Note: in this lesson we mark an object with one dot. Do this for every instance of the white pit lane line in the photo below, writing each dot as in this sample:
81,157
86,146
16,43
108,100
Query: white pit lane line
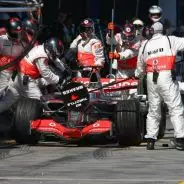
92,179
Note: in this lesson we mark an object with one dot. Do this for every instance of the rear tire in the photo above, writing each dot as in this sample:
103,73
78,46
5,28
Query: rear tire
128,123
142,86
27,109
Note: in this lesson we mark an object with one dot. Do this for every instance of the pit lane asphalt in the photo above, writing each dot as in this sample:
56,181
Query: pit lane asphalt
56,163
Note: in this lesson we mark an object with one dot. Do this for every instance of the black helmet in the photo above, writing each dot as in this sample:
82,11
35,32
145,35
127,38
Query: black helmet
14,28
54,48
30,26
148,32
86,28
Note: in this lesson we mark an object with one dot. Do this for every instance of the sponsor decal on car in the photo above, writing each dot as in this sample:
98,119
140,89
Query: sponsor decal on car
72,90
105,81
75,96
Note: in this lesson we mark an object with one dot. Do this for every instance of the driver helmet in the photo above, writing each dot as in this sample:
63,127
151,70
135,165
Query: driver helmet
54,48
155,13
87,28
14,28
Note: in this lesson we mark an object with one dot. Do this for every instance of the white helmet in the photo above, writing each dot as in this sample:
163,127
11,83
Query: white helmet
138,22
157,28
138,25
155,13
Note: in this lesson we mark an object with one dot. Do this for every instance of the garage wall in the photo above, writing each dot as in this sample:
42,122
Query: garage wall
76,7
98,9
169,10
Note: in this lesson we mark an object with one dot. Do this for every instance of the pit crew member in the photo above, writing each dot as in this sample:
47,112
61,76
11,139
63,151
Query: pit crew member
35,71
87,49
156,59
12,45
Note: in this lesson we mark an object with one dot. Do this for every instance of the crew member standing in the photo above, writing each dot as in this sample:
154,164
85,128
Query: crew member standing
156,58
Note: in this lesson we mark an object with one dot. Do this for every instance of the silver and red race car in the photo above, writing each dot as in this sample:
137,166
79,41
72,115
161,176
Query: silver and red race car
83,109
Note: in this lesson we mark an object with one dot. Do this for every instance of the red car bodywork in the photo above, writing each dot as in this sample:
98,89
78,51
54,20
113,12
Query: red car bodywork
51,126
98,127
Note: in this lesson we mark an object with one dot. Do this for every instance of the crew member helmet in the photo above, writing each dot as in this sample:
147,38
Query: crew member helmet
155,13
128,32
86,28
14,28
54,48
30,26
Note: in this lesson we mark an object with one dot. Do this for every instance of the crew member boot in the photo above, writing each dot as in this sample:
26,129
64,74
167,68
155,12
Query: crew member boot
150,144
179,143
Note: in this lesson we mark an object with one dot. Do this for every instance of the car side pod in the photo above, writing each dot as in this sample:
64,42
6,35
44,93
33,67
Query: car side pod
52,127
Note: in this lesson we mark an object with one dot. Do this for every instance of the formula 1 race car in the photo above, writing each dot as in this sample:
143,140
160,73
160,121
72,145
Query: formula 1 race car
83,108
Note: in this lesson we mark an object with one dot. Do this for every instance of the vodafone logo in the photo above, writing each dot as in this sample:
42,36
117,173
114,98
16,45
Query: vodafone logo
52,124
86,21
128,29
18,28
155,62
96,125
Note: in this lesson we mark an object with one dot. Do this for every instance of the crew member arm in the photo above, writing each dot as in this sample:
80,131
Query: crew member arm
73,48
115,41
177,43
59,64
45,72
127,54
98,52
140,69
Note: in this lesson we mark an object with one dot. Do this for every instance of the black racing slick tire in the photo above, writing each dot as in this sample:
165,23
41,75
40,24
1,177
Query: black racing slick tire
129,127
26,110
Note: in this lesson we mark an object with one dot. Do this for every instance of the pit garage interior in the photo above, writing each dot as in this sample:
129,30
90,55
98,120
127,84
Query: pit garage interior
100,9
68,164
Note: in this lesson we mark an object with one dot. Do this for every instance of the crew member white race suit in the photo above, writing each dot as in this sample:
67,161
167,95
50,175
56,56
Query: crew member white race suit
126,64
126,57
9,50
158,55
34,72
87,47
89,52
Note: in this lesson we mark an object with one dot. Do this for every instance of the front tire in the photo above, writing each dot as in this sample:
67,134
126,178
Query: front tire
27,109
